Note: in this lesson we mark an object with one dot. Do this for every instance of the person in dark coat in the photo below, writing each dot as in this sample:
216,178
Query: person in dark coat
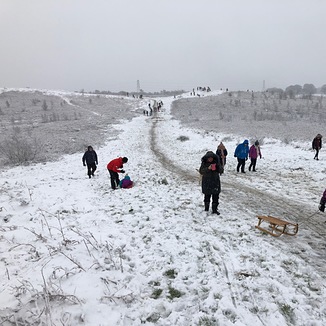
241,153
114,167
90,159
316,145
322,202
210,169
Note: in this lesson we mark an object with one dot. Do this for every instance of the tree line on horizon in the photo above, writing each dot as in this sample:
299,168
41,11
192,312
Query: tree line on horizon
137,94
292,91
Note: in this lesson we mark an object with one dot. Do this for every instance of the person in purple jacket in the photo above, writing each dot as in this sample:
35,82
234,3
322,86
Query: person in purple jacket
254,152
322,202
126,182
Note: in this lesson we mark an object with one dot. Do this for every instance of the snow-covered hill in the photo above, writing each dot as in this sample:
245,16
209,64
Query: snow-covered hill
75,252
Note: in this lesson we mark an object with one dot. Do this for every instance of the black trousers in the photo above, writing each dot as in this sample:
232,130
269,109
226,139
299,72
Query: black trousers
114,179
215,198
241,163
91,168
317,152
253,164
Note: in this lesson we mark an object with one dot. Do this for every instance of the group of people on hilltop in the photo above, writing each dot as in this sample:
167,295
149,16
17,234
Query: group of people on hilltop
114,167
200,89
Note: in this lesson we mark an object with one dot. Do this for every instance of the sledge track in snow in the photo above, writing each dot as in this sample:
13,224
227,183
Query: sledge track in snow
239,193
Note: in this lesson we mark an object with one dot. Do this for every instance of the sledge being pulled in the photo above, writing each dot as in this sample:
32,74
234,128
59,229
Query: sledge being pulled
275,226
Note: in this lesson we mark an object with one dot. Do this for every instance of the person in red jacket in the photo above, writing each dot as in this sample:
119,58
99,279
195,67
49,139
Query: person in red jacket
114,167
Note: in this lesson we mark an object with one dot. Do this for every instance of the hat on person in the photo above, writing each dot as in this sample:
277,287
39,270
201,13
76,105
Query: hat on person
256,142
125,159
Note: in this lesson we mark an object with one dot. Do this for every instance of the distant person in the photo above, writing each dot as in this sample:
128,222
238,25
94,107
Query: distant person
222,153
90,159
210,169
241,153
316,145
126,182
114,167
322,202
254,152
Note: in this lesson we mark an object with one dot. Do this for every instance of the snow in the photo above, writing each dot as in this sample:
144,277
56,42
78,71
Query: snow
75,252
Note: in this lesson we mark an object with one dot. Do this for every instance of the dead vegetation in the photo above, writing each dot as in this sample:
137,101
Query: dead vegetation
255,114
39,126
52,248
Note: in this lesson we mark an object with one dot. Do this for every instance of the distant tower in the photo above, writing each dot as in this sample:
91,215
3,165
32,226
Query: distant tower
138,86
263,85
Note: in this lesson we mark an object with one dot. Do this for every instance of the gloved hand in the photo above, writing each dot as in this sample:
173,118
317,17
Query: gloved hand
84,164
122,171
322,207
235,155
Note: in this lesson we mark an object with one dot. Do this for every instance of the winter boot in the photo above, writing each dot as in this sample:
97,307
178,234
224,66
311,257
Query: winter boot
206,206
214,209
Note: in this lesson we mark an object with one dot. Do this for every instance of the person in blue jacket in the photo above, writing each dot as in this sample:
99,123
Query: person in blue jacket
241,153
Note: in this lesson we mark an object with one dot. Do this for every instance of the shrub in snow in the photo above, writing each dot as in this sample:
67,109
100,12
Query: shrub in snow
183,138
19,149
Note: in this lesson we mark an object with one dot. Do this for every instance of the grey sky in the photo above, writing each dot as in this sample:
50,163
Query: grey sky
165,44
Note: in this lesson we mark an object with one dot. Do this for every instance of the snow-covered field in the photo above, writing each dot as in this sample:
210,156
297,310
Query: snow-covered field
74,252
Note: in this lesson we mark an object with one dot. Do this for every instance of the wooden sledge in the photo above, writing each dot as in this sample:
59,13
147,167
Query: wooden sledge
276,227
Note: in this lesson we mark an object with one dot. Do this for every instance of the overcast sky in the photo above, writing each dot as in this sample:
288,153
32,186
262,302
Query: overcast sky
165,44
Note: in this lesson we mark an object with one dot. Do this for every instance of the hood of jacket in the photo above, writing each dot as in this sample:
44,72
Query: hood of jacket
208,155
